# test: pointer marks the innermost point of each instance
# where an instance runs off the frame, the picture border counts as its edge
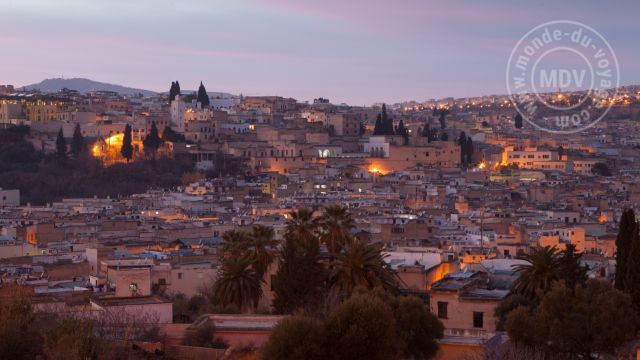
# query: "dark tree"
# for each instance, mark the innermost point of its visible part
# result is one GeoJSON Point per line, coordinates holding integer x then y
{"type": "Point", "coordinates": [61, 145]}
{"type": "Point", "coordinates": [362, 129]}
{"type": "Point", "coordinates": [633, 270]}
{"type": "Point", "coordinates": [462, 142]}
{"type": "Point", "coordinates": [433, 134]}
{"type": "Point", "coordinates": [295, 337]}
{"type": "Point", "coordinates": [386, 129]}
{"type": "Point", "coordinates": [575, 324]}
{"type": "Point", "coordinates": [626, 233]}
{"type": "Point", "coordinates": [363, 327]}
{"type": "Point", "coordinates": [300, 278]}
{"type": "Point", "coordinates": [442, 115]}
{"type": "Point", "coordinates": [485, 124]}
{"type": "Point", "coordinates": [570, 269]}
{"type": "Point", "coordinates": [169, 135]}
{"type": "Point", "coordinates": [173, 91]}
{"type": "Point", "coordinates": [152, 141]}
{"type": "Point", "coordinates": [600, 169]}
{"type": "Point", "coordinates": [444, 136]}
{"type": "Point", "coordinates": [377, 130]}
{"type": "Point", "coordinates": [403, 131]}
{"type": "Point", "coordinates": [426, 132]}
{"type": "Point", "coordinates": [469, 148]}
{"type": "Point", "coordinates": [127, 148]}
{"type": "Point", "coordinates": [77, 142]}
{"type": "Point", "coordinates": [203, 97]}
{"type": "Point", "coordinates": [560, 152]}
{"type": "Point", "coordinates": [417, 328]}
{"type": "Point", "coordinates": [518, 121]}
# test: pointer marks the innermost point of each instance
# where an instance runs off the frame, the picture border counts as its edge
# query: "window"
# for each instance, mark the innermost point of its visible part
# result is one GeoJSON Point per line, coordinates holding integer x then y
{"type": "Point", "coordinates": [478, 319]}
{"type": "Point", "coordinates": [162, 282]}
{"type": "Point", "coordinates": [179, 275]}
{"type": "Point", "coordinates": [442, 309]}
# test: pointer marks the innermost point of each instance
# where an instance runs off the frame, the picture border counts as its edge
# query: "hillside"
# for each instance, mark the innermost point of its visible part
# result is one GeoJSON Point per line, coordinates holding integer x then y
{"type": "Point", "coordinates": [84, 85]}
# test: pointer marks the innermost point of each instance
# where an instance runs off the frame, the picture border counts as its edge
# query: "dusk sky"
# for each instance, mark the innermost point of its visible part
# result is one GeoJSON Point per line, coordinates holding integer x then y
{"type": "Point", "coordinates": [359, 52]}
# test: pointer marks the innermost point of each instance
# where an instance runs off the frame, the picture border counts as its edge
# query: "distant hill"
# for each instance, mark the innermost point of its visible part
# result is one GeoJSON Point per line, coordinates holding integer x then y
{"type": "Point", "coordinates": [84, 86]}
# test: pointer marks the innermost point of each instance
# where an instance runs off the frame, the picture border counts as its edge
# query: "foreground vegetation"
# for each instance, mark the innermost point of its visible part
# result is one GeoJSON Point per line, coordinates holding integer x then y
{"type": "Point", "coordinates": [555, 311]}
{"type": "Point", "coordinates": [25, 334]}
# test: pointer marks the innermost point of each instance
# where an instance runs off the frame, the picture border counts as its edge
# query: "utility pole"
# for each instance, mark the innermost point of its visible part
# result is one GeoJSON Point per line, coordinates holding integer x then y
{"type": "Point", "coordinates": [482, 230]}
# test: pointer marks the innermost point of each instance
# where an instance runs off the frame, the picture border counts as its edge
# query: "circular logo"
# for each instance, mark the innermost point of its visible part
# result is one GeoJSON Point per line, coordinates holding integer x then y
{"type": "Point", "coordinates": [562, 76]}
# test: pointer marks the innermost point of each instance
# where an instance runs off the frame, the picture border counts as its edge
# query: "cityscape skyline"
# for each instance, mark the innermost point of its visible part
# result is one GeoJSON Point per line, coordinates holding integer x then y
{"type": "Point", "coordinates": [290, 49]}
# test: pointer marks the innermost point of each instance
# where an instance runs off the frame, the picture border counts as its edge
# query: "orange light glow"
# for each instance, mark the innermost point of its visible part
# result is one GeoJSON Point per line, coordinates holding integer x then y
{"type": "Point", "coordinates": [375, 169]}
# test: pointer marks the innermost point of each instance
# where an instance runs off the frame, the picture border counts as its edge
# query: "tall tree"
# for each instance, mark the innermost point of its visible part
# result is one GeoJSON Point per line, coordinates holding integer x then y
{"type": "Point", "coordinates": [403, 131]}
{"type": "Point", "coordinates": [174, 90]}
{"type": "Point", "coordinates": [462, 142]}
{"type": "Point", "coordinates": [61, 145]}
{"type": "Point", "coordinates": [570, 269]}
{"type": "Point", "coordinates": [377, 130]}
{"type": "Point", "coordinates": [336, 223]}
{"type": "Point", "coordinates": [235, 243]}
{"type": "Point", "coordinates": [238, 283]}
{"type": "Point", "coordinates": [633, 270]}
{"type": "Point", "coordinates": [469, 150]}
{"type": "Point", "coordinates": [152, 141]}
{"type": "Point", "coordinates": [387, 123]}
{"type": "Point", "coordinates": [626, 233]}
{"type": "Point", "coordinates": [540, 273]}
{"type": "Point", "coordinates": [302, 227]}
{"type": "Point", "coordinates": [518, 120]}
{"type": "Point", "coordinates": [442, 117]}
{"type": "Point", "coordinates": [127, 148]}
{"type": "Point", "coordinates": [300, 278]}
{"type": "Point", "coordinates": [425, 130]}
{"type": "Point", "coordinates": [77, 142]}
{"type": "Point", "coordinates": [203, 97]}
{"type": "Point", "coordinates": [360, 264]}
{"type": "Point", "coordinates": [261, 248]}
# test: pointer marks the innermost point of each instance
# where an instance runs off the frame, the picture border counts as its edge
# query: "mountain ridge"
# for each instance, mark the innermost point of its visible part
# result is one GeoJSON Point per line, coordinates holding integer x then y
{"type": "Point", "coordinates": [84, 85]}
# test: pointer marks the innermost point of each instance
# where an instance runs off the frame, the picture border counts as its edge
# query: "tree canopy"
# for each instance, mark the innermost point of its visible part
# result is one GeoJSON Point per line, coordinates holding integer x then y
{"type": "Point", "coordinates": [592, 319]}
{"type": "Point", "coordinates": [127, 148]}
{"type": "Point", "coordinates": [61, 145]}
{"type": "Point", "coordinates": [203, 97]}
{"type": "Point", "coordinates": [77, 142]}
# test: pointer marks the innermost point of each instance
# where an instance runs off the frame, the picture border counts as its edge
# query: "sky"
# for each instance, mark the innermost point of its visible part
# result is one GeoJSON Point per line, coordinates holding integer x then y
{"type": "Point", "coordinates": [353, 51]}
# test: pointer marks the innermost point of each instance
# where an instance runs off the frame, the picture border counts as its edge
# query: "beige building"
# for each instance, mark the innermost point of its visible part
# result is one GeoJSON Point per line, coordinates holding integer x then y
{"type": "Point", "coordinates": [464, 306]}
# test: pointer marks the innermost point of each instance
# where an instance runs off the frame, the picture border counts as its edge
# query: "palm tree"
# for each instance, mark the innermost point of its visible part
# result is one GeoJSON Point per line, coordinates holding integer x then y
{"type": "Point", "coordinates": [235, 243]}
{"type": "Point", "coordinates": [542, 270]}
{"type": "Point", "coordinates": [238, 283]}
{"type": "Point", "coordinates": [360, 264]}
{"type": "Point", "coordinates": [336, 224]}
{"type": "Point", "coordinates": [261, 246]}
{"type": "Point", "coordinates": [302, 227]}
